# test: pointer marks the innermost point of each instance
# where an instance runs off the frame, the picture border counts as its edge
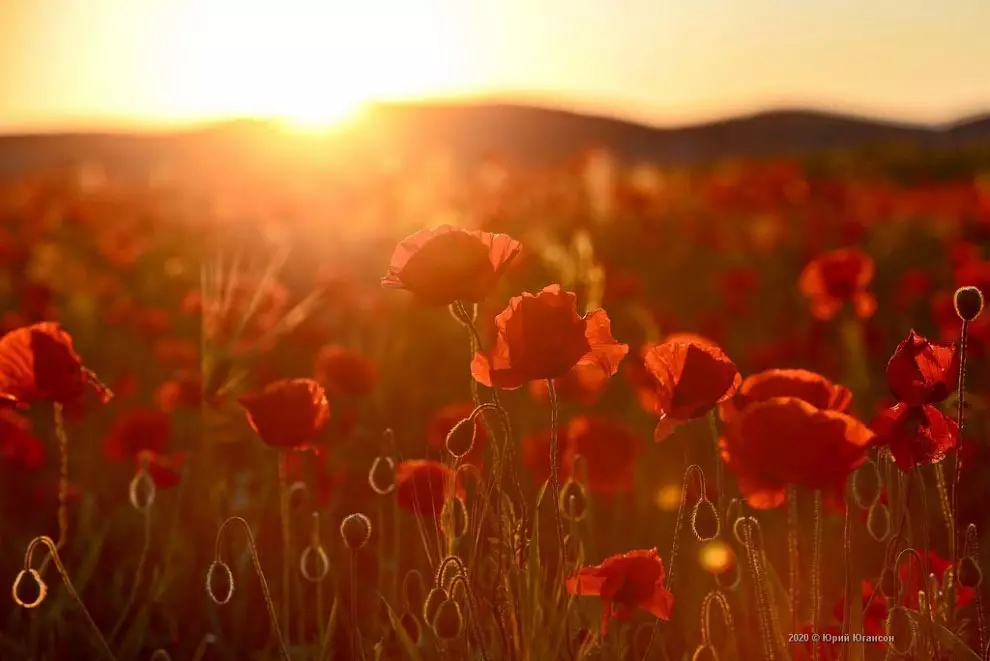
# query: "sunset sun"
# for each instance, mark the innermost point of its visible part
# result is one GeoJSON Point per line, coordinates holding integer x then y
{"type": "Point", "coordinates": [311, 64]}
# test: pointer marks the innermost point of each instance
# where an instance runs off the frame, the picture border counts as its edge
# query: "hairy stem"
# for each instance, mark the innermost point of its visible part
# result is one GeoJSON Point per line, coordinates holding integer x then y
{"type": "Point", "coordinates": [957, 474]}
{"type": "Point", "coordinates": [816, 570]}
{"type": "Point", "coordinates": [554, 468]}
{"type": "Point", "coordinates": [793, 556]}
{"type": "Point", "coordinates": [138, 571]}
{"type": "Point", "coordinates": [283, 488]}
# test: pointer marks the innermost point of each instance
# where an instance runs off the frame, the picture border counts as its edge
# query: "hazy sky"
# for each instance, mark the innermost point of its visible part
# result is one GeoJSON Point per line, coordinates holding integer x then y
{"type": "Point", "coordinates": [66, 63]}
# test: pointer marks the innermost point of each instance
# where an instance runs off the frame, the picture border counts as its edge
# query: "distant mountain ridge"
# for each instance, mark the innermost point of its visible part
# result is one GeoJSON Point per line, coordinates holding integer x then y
{"type": "Point", "coordinates": [522, 133]}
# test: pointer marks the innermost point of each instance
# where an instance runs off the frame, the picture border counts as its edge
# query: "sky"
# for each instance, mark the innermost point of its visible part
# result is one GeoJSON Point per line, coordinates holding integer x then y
{"type": "Point", "coordinates": [71, 64]}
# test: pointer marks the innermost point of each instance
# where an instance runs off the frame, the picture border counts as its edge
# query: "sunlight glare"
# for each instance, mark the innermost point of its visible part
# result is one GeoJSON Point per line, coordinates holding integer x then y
{"type": "Point", "coordinates": [310, 63]}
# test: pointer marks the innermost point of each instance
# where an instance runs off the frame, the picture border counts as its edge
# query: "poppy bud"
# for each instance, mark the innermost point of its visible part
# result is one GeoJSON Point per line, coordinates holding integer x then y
{"type": "Point", "coordinates": [573, 501]}
{"type": "Point", "coordinates": [705, 652]}
{"type": "Point", "coordinates": [704, 521]}
{"type": "Point", "coordinates": [866, 485]}
{"type": "Point", "coordinates": [454, 518]}
{"type": "Point", "coordinates": [381, 477]}
{"type": "Point", "coordinates": [410, 624]}
{"type": "Point", "coordinates": [878, 522]}
{"type": "Point", "coordinates": [461, 437]}
{"type": "Point", "coordinates": [356, 531]}
{"type": "Point", "coordinates": [142, 489]}
{"type": "Point", "coordinates": [450, 569]}
{"type": "Point", "coordinates": [433, 600]}
{"type": "Point", "coordinates": [970, 574]}
{"type": "Point", "coordinates": [30, 598]}
{"type": "Point", "coordinates": [968, 302]}
{"type": "Point", "coordinates": [414, 589]}
{"type": "Point", "coordinates": [901, 629]}
{"type": "Point", "coordinates": [448, 622]}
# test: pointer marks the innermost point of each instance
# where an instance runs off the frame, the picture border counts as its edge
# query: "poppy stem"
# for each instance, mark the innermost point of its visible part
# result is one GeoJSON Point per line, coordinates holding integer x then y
{"type": "Point", "coordinates": [62, 513]}
{"type": "Point", "coordinates": [554, 472]}
{"type": "Point", "coordinates": [142, 560]}
{"type": "Point", "coordinates": [957, 473]}
{"type": "Point", "coordinates": [713, 426]}
{"type": "Point", "coordinates": [355, 627]}
{"type": "Point", "coordinates": [283, 486]}
{"type": "Point", "coordinates": [793, 556]}
{"type": "Point", "coordinates": [816, 569]}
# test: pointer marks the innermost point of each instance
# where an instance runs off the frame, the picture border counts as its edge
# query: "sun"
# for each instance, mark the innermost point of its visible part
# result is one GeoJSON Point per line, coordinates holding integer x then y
{"type": "Point", "coordinates": [310, 63]}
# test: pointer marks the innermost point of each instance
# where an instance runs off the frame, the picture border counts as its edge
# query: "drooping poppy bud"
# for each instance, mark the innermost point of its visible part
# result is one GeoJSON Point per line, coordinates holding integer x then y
{"type": "Point", "coordinates": [356, 531]}
{"type": "Point", "coordinates": [968, 302]}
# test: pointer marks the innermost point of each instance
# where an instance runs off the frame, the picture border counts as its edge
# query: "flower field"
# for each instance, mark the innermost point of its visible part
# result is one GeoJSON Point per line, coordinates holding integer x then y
{"type": "Point", "coordinates": [593, 411]}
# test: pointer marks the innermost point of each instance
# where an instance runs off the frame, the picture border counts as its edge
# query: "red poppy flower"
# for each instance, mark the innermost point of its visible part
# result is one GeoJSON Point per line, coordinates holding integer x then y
{"type": "Point", "coordinates": [38, 362]}
{"type": "Point", "coordinates": [287, 413]}
{"type": "Point", "coordinates": [609, 449]}
{"type": "Point", "coordinates": [922, 372]}
{"type": "Point", "coordinates": [165, 470]}
{"type": "Point", "coordinates": [583, 384]}
{"type": "Point", "coordinates": [808, 386]}
{"type": "Point", "coordinates": [542, 336]}
{"type": "Point", "coordinates": [423, 486]}
{"type": "Point", "coordinates": [912, 583]}
{"type": "Point", "coordinates": [183, 392]}
{"type": "Point", "coordinates": [624, 583]}
{"type": "Point", "coordinates": [916, 435]}
{"type": "Point", "coordinates": [19, 447]}
{"type": "Point", "coordinates": [447, 264]}
{"type": "Point", "coordinates": [690, 378]}
{"type": "Point", "coordinates": [785, 440]}
{"type": "Point", "coordinates": [345, 372]}
{"type": "Point", "coordinates": [135, 431]}
{"type": "Point", "coordinates": [444, 420]}
{"type": "Point", "coordinates": [836, 277]}
{"type": "Point", "coordinates": [875, 610]}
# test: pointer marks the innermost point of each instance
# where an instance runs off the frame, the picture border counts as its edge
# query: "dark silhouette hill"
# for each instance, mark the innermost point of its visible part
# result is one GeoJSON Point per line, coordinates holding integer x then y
{"type": "Point", "coordinates": [525, 134]}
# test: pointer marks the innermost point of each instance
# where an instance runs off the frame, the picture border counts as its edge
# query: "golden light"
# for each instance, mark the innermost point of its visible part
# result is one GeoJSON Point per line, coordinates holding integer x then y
{"type": "Point", "coordinates": [310, 63]}
{"type": "Point", "coordinates": [668, 498]}
{"type": "Point", "coordinates": [716, 557]}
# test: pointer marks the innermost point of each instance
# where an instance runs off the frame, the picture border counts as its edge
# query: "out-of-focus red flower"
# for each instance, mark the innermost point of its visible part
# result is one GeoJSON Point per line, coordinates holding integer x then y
{"type": "Point", "coordinates": [542, 336]}
{"type": "Point", "coordinates": [444, 420]}
{"type": "Point", "coordinates": [287, 413]}
{"type": "Point", "coordinates": [165, 470]}
{"type": "Point", "coordinates": [914, 285]}
{"type": "Point", "coordinates": [609, 450]}
{"type": "Point", "coordinates": [624, 583]}
{"type": "Point", "coordinates": [343, 371]}
{"type": "Point", "coordinates": [738, 285]}
{"type": "Point", "coordinates": [912, 580]}
{"type": "Point", "coordinates": [153, 321]}
{"type": "Point", "coordinates": [583, 384]}
{"type": "Point", "coordinates": [174, 352]}
{"type": "Point", "coordinates": [921, 371]}
{"type": "Point", "coordinates": [135, 431]}
{"type": "Point", "coordinates": [19, 447]}
{"type": "Point", "coordinates": [38, 362]}
{"type": "Point", "coordinates": [422, 486]}
{"type": "Point", "coordinates": [125, 386]}
{"type": "Point", "coordinates": [808, 386]}
{"type": "Point", "coordinates": [447, 264]}
{"type": "Point", "coordinates": [691, 376]}
{"type": "Point", "coordinates": [916, 435]}
{"type": "Point", "coordinates": [837, 277]}
{"type": "Point", "coordinates": [875, 609]}
{"type": "Point", "coordinates": [785, 440]}
{"type": "Point", "coordinates": [183, 392]}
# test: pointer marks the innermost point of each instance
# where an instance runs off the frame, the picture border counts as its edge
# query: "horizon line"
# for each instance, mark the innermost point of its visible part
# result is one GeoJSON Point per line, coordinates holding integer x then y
{"type": "Point", "coordinates": [123, 125]}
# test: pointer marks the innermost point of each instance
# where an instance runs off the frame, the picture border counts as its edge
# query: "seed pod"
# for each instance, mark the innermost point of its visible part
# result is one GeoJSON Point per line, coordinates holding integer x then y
{"type": "Point", "coordinates": [866, 485]}
{"type": "Point", "coordinates": [970, 574]}
{"type": "Point", "coordinates": [454, 518]}
{"type": "Point", "coordinates": [356, 531]}
{"type": "Point", "coordinates": [448, 622]}
{"type": "Point", "coordinates": [462, 437]}
{"type": "Point", "coordinates": [878, 522]}
{"type": "Point", "coordinates": [381, 477]}
{"type": "Point", "coordinates": [705, 523]}
{"type": "Point", "coordinates": [433, 600]}
{"type": "Point", "coordinates": [573, 501]}
{"type": "Point", "coordinates": [705, 652]}
{"type": "Point", "coordinates": [414, 589]}
{"type": "Point", "coordinates": [902, 630]}
{"type": "Point", "coordinates": [410, 624]}
{"type": "Point", "coordinates": [968, 303]}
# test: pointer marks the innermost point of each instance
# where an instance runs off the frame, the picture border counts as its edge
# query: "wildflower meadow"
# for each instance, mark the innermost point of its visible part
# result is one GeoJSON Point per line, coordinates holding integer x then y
{"type": "Point", "coordinates": [594, 411]}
